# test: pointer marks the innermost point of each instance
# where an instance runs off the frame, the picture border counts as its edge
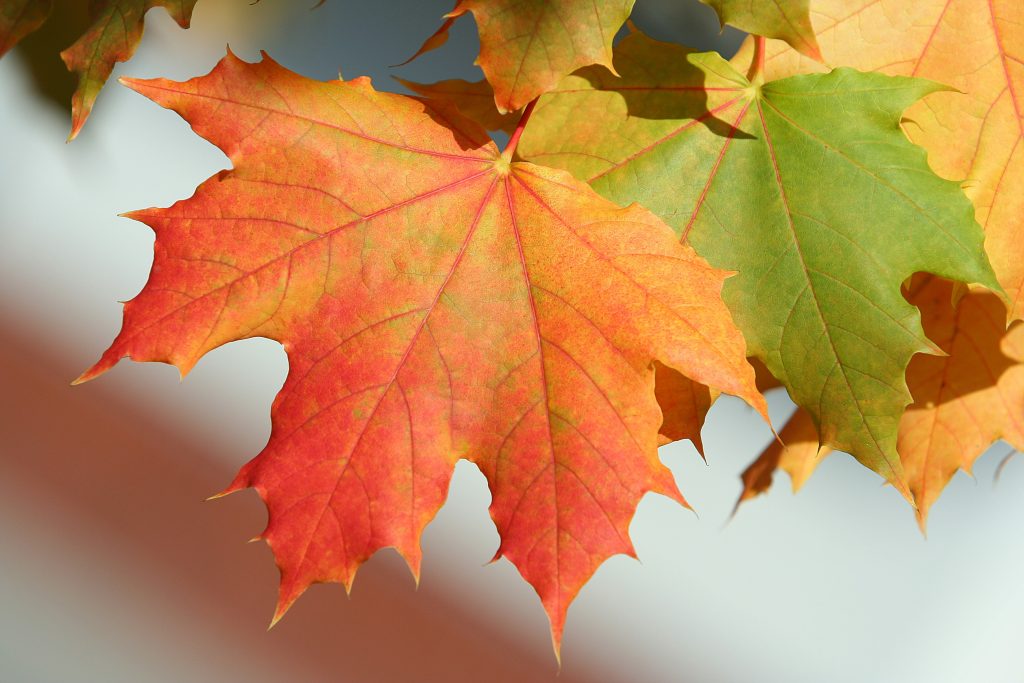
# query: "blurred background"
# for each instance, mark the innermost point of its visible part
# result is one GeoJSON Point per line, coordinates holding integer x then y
{"type": "Point", "coordinates": [113, 569]}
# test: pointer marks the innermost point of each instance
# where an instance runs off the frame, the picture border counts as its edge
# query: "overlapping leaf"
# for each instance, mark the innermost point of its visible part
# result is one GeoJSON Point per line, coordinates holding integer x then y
{"type": "Point", "coordinates": [805, 186]}
{"type": "Point", "coordinates": [787, 20]}
{"type": "Point", "coordinates": [963, 402]}
{"type": "Point", "coordinates": [527, 46]}
{"type": "Point", "coordinates": [797, 452]}
{"type": "Point", "coordinates": [18, 18]}
{"type": "Point", "coordinates": [436, 302]}
{"type": "Point", "coordinates": [977, 134]}
{"type": "Point", "coordinates": [967, 401]}
{"type": "Point", "coordinates": [684, 405]}
{"type": "Point", "coordinates": [112, 37]}
{"type": "Point", "coordinates": [475, 100]}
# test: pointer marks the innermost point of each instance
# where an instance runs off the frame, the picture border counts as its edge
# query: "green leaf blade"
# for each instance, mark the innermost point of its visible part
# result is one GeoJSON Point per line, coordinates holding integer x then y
{"type": "Point", "coordinates": [810, 191]}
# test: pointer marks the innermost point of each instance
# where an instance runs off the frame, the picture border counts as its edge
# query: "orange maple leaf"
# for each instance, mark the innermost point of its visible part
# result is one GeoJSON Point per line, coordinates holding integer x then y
{"type": "Point", "coordinates": [797, 452]}
{"type": "Point", "coordinates": [528, 46]}
{"type": "Point", "coordinates": [436, 302]}
{"type": "Point", "coordinates": [966, 401]}
{"type": "Point", "coordinates": [684, 404]}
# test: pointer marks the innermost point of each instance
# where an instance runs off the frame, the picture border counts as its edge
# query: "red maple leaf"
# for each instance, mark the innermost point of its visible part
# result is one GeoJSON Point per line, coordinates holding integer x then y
{"type": "Point", "coordinates": [436, 302]}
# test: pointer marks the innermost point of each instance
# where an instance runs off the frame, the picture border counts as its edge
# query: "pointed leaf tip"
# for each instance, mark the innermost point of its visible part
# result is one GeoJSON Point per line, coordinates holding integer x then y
{"type": "Point", "coordinates": [112, 38]}
{"type": "Point", "coordinates": [82, 379]}
{"type": "Point", "coordinates": [98, 368]}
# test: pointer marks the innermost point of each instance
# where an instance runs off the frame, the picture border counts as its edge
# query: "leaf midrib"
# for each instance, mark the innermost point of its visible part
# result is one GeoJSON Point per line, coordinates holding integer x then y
{"type": "Point", "coordinates": [810, 286]}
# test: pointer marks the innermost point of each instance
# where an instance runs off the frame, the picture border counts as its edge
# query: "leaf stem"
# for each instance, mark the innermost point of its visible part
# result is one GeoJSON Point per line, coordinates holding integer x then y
{"type": "Point", "coordinates": [513, 141]}
{"type": "Point", "coordinates": [756, 73]}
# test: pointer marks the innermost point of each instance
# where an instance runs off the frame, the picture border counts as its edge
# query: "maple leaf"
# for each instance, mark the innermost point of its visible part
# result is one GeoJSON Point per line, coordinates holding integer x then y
{"type": "Point", "coordinates": [18, 18]}
{"type": "Point", "coordinates": [684, 405]}
{"type": "Point", "coordinates": [807, 188]}
{"type": "Point", "coordinates": [436, 302]}
{"type": "Point", "coordinates": [527, 46]}
{"type": "Point", "coordinates": [963, 402]}
{"type": "Point", "coordinates": [112, 37]}
{"type": "Point", "coordinates": [976, 46]}
{"type": "Point", "coordinates": [787, 20]}
{"type": "Point", "coordinates": [797, 452]}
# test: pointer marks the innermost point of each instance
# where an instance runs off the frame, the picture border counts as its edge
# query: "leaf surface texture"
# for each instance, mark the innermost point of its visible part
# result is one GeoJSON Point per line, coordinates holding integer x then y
{"type": "Point", "coordinates": [806, 187]}
{"type": "Point", "coordinates": [436, 302]}
{"type": "Point", "coordinates": [975, 135]}
{"type": "Point", "coordinates": [787, 20]}
{"type": "Point", "coordinates": [963, 402]}
{"type": "Point", "coordinates": [528, 46]}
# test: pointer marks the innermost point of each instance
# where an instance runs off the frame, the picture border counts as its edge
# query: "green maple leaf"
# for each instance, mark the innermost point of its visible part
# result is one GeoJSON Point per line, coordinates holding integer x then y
{"type": "Point", "coordinates": [808, 188]}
